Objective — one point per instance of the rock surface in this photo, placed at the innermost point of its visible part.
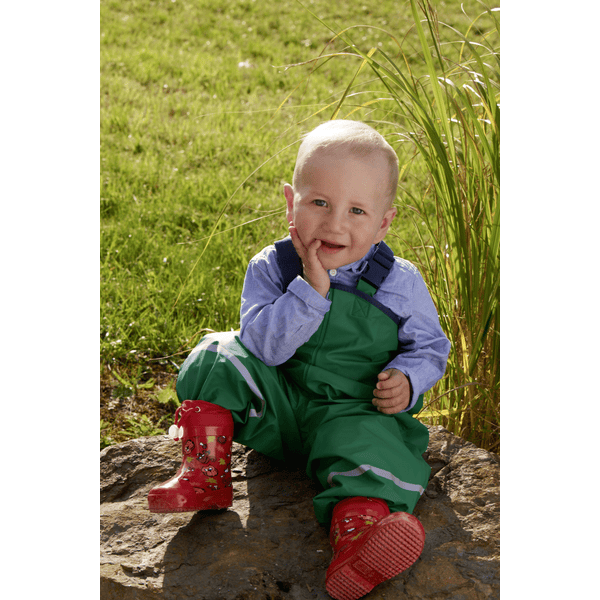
(268, 545)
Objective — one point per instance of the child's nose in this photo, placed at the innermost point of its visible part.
(336, 222)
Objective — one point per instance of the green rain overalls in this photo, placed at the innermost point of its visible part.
(319, 403)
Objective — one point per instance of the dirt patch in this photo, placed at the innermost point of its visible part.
(129, 404)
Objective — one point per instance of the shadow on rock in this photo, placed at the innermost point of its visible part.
(268, 545)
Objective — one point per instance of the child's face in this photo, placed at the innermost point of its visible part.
(341, 201)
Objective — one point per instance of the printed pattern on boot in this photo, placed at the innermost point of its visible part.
(206, 457)
(203, 481)
(370, 548)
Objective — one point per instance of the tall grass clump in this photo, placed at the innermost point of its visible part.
(438, 104)
(459, 140)
(200, 121)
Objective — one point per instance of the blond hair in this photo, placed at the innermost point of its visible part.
(353, 137)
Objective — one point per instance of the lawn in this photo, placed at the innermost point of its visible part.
(202, 106)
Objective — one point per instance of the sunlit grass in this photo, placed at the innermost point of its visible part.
(201, 114)
(195, 142)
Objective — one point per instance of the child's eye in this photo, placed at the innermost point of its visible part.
(320, 202)
(357, 211)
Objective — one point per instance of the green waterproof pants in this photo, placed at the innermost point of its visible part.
(319, 405)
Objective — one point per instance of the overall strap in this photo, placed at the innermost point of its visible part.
(378, 267)
(288, 260)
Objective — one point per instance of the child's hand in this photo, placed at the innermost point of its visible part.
(313, 271)
(393, 392)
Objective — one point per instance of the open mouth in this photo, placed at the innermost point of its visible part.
(330, 246)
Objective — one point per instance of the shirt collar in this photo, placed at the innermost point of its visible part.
(360, 265)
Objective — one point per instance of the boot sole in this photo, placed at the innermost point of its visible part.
(167, 509)
(393, 547)
(175, 503)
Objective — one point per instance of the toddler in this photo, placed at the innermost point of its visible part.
(339, 340)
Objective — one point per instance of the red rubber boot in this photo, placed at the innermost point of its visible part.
(370, 545)
(203, 481)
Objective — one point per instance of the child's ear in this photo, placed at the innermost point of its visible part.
(288, 192)
(388, 217)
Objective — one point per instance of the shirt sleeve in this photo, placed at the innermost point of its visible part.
(274, 323)
(423, 346)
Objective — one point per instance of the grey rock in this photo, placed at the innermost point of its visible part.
(268, 545)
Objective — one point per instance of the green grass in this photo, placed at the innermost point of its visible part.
(195, 148)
